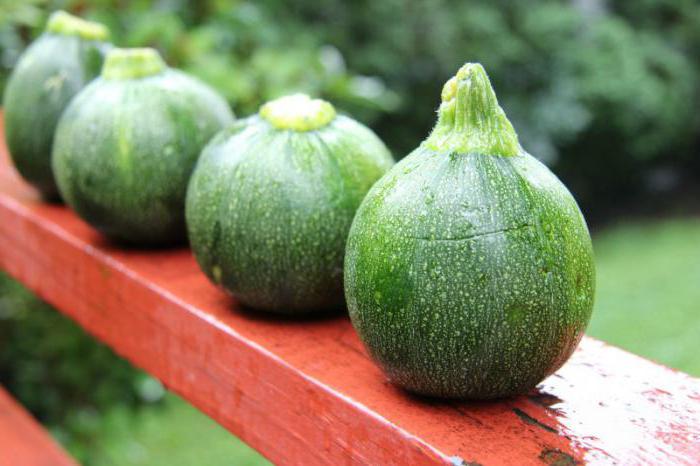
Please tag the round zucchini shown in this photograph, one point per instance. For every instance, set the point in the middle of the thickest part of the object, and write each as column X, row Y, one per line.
column 49, row 73
column 126, row 145
column 271, row 201
column 469, row 269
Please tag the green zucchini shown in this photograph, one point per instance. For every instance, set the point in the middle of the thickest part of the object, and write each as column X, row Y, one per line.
column 271, row 201
column 469, row 267
column 126, row 145
column 49, row 73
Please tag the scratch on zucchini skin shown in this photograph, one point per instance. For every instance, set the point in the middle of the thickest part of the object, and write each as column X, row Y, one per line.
column 480, row 234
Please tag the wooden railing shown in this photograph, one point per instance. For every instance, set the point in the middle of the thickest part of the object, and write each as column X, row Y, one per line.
column 304, row 391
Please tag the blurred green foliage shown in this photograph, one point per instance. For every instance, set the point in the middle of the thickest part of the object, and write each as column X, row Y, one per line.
column 61, row 375
column 604, row 91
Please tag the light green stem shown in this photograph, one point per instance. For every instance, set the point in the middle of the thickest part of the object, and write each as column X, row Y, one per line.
column 470, row 119
column 298, row 112
column 132, row 63
column 64, row 23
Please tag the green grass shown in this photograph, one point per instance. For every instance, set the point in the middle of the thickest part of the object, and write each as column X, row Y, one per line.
column 648, row 290
column 172, row 434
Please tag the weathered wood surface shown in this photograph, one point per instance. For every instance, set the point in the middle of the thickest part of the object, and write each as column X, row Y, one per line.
column 23, row 441
column 304, row 391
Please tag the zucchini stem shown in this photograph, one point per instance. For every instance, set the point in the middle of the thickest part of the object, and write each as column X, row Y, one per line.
column 470, row 119
column 298, row 112
column 132, row 63
column 66, row 24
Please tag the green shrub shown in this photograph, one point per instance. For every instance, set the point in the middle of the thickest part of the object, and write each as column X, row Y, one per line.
column 587, row 84
column 63, row 376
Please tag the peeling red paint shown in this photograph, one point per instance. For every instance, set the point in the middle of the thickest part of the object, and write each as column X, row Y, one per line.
column 641, row 413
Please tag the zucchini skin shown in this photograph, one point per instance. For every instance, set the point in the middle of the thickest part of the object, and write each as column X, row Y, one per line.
column 268, row 210
column 48, row 75
column 469, row 275
column 125, row 149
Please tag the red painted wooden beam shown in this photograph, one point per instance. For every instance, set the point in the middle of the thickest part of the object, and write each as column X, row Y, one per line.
column 304, row 391
column 23, row 441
